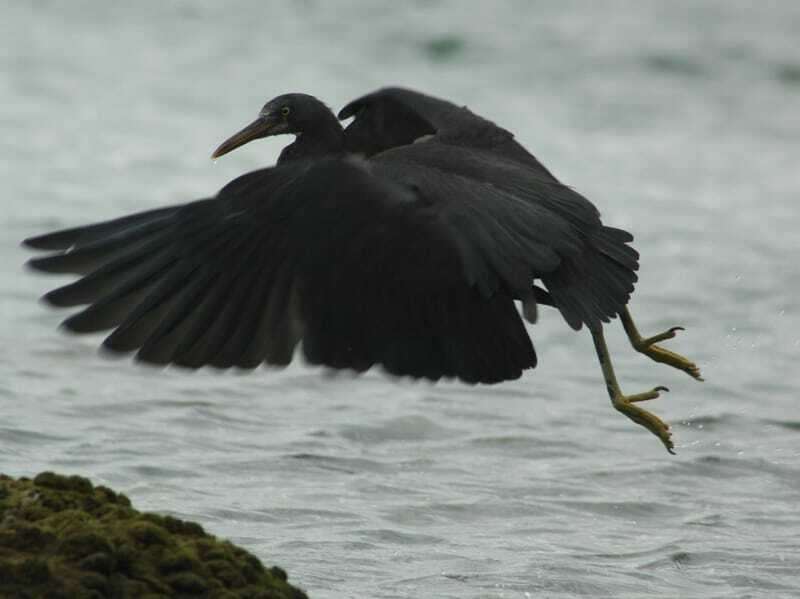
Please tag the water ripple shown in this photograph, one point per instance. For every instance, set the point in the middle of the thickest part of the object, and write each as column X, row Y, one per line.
column 679, row 120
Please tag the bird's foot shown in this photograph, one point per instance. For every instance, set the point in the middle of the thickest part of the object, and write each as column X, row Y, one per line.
column 648, row 347
column 627, row 405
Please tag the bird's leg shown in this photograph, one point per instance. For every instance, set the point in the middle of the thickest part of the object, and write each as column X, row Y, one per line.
column 648, row 346
column 627, row 403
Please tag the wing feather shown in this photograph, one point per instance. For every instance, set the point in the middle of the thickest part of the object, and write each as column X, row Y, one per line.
column 404, row 261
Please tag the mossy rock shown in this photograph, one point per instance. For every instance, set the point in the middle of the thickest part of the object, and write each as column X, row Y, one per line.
column 61, row 537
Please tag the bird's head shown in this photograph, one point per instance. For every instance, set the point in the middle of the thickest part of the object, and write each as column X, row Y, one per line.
column 288, row 113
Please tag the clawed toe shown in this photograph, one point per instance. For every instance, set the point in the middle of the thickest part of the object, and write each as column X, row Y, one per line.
column 647, row 395
column 625, row 405
column 648, row 347
column 642, row 344
column 665, row 356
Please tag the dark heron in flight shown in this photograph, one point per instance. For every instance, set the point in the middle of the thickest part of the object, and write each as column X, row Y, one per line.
column 402, row 240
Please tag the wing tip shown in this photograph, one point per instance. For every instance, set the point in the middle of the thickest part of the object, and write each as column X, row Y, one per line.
column 48, row 264
column 54, row 298
column 54, row 240
column 34, row 242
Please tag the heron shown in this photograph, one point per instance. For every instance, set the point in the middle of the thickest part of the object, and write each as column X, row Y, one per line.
column 403, row 240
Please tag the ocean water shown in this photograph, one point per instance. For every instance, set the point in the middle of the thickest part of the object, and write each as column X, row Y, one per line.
column 680, row 120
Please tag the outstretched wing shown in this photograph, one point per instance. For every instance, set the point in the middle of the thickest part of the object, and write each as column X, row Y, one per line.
column 392, row 117
column 357, row 265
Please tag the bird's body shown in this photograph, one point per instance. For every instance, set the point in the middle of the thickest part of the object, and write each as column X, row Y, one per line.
column 401, row 241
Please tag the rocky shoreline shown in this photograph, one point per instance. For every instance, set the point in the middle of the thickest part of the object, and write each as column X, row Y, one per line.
column 62, row 537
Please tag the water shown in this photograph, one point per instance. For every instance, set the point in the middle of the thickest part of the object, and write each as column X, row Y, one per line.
column 679, row 120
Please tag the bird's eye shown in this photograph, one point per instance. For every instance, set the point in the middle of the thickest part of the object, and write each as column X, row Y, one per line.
column 285, row 111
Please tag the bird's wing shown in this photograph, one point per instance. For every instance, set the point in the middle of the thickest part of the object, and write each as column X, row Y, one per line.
column 519, row 226
column 504, row 182
column 392, row 116
column 356, row 264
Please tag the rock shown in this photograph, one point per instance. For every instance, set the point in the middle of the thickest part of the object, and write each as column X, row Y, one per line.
column 62, row 537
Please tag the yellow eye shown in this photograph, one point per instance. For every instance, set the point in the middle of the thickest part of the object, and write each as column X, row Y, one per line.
column 285, row 111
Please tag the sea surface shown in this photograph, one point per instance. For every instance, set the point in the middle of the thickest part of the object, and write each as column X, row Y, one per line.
column 680, row 120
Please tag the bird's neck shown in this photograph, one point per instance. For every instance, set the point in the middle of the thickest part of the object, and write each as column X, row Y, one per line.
column 324, row 140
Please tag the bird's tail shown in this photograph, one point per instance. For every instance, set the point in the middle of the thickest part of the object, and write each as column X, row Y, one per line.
column 594, row 286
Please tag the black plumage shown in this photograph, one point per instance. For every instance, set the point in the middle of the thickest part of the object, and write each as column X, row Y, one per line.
column 394, row 116
column 402, row 240
column 409, row 258
column 507, row 187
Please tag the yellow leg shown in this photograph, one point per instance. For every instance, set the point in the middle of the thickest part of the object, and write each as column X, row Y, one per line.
column 627, row 403
column 648, row 346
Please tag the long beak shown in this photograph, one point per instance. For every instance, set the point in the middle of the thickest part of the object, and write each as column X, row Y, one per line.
column 257, row 129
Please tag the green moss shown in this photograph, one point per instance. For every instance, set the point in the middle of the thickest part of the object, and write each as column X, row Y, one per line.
column 188, row 582
column 61, row 537
column 77, row 543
